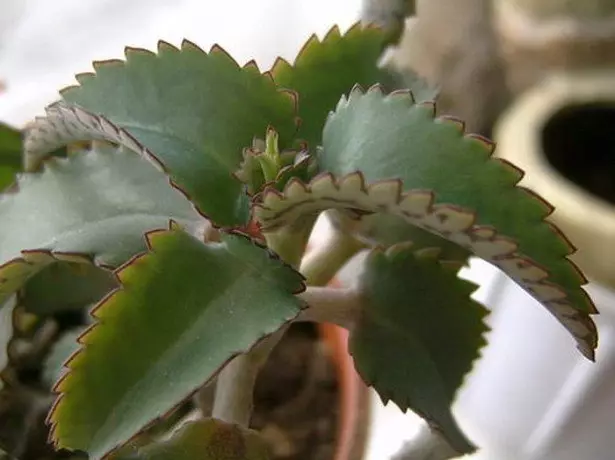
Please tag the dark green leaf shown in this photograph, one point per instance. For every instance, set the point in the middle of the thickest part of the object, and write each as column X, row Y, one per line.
column 92, row 207
column 418, row 334
column 204, row 440
column 190, row 111
column 184, row 309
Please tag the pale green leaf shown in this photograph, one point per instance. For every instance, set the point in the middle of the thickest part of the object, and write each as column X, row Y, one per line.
column 92, row 207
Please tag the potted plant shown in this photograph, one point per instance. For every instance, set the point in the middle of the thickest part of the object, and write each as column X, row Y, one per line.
column 182, row 189
column 561, row 134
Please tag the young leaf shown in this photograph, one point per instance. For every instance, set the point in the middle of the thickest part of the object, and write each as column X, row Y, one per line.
column 190, row 111
column 418, row 334
column 92, row 207
column 325, row 69
column 183, row 310
column 204, row 440
column 10, row 155
column 429, row 173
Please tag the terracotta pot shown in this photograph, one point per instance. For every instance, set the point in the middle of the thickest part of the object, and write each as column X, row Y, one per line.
column 354, row 400
column 540, row 36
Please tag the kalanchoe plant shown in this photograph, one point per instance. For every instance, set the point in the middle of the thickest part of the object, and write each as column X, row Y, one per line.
column 185, row 200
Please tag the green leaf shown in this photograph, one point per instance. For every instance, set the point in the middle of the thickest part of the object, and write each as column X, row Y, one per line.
column 92, row 207
column 326, row 69
column 426, row 171
column 204, row 440
column 183, row 311
column 65, row 286
column 389, row 137
column 190, row 111
column 62, row 350
column 418, row 334
column 10, row 155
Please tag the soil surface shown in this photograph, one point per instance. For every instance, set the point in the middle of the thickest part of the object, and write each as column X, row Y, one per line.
column 296, row 398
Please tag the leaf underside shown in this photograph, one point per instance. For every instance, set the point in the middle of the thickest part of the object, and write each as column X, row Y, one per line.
column 93, row 207
column 189, row 111
column 427, row 172
column 10, row 155
column 418, row 334
column 183, row 310
column 209, row 439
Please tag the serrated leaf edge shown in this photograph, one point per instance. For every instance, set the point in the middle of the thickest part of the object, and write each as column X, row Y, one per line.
column 387, row 394
column 274, row 209
column 51, row 420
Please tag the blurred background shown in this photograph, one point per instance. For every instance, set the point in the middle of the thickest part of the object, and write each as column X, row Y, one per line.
column 538, row 76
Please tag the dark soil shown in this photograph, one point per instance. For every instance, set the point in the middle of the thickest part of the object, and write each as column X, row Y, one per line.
column 579, row 141
column 296, row 398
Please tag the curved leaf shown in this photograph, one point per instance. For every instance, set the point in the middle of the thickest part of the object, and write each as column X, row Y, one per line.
column 183, row 310
column 192, row 112
column 204, row 440
column 418, row 334
column 427, row 172
column 92, row 207
column 10, row 155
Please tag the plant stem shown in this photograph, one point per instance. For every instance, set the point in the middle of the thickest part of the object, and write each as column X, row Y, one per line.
column 331, row 305
column 290, row 242
column 233, row 399
column 322, row 263
column 235, row 385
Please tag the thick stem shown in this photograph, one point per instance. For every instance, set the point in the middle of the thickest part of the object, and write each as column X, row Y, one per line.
column 331, row 305
column 235, row 385
column 323, row 262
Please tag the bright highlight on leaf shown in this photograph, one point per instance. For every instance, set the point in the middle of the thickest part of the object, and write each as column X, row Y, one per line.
column 183, row 311
column 192, row 111
column 90, row 208
column 418, row 334
column 426, row 171
column 204, row 440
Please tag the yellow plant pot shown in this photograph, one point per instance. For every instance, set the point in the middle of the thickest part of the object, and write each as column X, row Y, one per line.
column 549, row 134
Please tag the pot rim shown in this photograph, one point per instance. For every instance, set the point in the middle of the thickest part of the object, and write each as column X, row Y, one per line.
column 586, row 217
